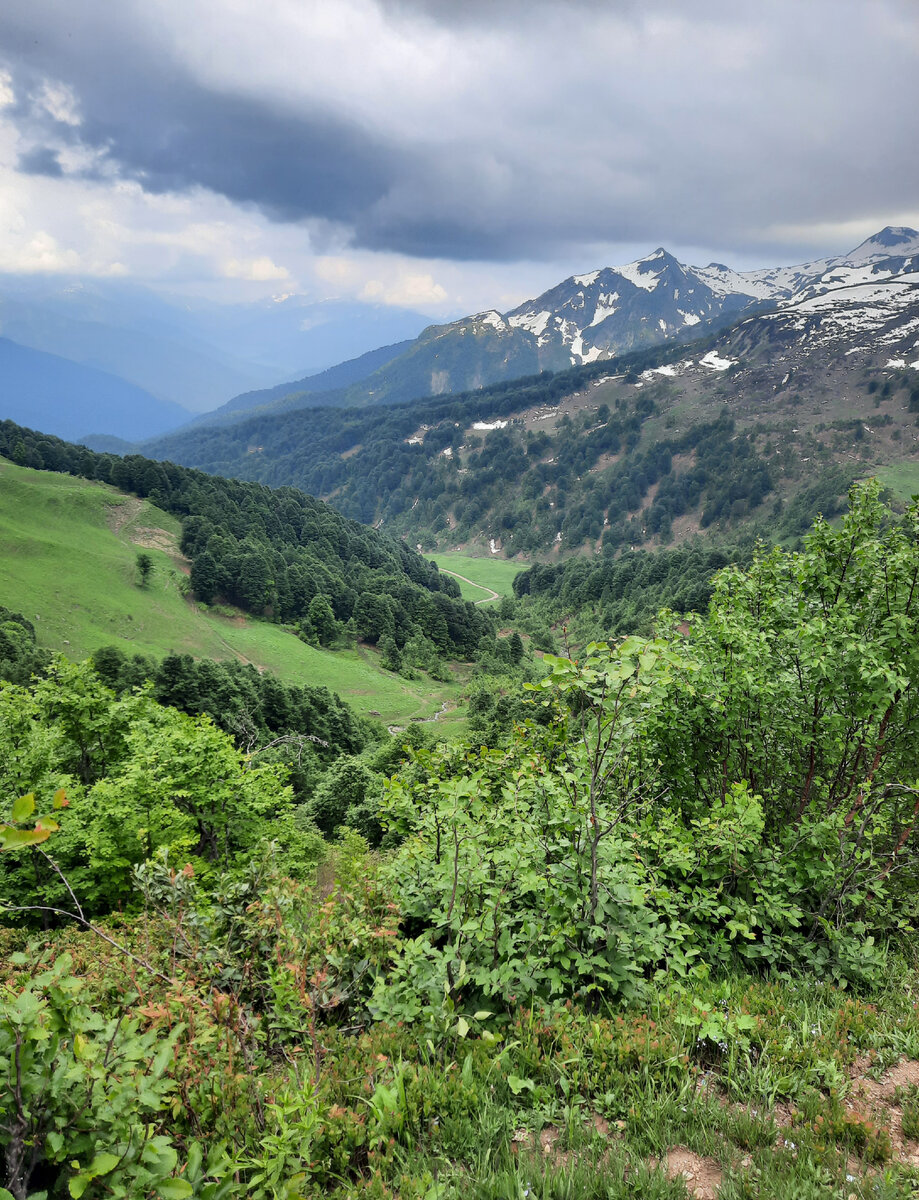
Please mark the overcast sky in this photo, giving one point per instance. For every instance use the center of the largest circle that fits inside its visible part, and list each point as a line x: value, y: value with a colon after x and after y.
x: 447, y: 155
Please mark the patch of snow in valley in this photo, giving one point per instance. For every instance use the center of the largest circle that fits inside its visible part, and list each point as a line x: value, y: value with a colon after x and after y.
x: 492, y: 546
x: 486, y: 427
x: 715, y: 361
x: 688, y: 317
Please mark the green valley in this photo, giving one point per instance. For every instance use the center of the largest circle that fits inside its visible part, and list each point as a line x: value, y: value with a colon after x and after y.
x: 68, y: 550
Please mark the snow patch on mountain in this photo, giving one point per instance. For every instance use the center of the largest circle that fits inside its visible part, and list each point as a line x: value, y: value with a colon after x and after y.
x: 535, y: 323
x: 492, y: 318
x: 605, y: 307
x: 714, y: 360
x: 633, y: 272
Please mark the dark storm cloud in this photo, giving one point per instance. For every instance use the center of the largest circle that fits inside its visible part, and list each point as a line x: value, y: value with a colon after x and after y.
x: 572, y: 125
x: 157, y: 124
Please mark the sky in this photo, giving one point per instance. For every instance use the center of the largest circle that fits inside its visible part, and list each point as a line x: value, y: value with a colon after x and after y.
x: 446, y: 155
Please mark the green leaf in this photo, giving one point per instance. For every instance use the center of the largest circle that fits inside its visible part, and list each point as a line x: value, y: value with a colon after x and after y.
x: 517, y: 1085
x: 174, y: 1189
x: 462, y: 1027
x: 23, y: 808
x: 103, y: 1163
x: 16, y: 839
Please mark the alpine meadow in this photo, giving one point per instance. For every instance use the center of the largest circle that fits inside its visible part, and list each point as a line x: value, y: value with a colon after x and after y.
x: 459, y: 656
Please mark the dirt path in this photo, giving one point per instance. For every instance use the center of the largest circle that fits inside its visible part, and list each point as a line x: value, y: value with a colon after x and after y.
x: 488, y: 599
x: 445, y: 707
x: 121, y: 512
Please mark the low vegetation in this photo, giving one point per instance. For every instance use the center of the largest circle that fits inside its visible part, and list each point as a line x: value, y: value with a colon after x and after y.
x: 652, y: 936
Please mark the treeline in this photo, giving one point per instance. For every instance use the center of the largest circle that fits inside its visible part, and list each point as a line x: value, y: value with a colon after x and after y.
x: 628, y: 591
x: 251, y: 706
x: 274, y: 552
x: 364, y: 462
x: 526, y: 487
x: 308, y: 728
x: 615, y: 595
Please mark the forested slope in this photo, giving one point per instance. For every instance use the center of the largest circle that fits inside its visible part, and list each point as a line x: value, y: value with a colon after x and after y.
x: 281, y: 554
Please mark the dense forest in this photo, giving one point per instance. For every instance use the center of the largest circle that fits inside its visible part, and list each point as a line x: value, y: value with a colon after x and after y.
x: 605, y: 476
x: 417, y: 468
x: 669, y: 902
x: 283, y: 554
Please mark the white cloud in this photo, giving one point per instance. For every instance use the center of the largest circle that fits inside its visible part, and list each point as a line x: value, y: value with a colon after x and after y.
x: 59, y: 101
x: 408, y: 291
x: 256, y: 270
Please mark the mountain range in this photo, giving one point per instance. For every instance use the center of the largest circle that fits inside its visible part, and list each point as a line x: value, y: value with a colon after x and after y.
x: 767, y: 420
x: 186, y: 354
x: 591, y: 317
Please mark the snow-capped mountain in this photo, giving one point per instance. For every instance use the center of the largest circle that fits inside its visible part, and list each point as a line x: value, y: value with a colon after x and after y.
x: 588, y: 317
x: 594, y: 316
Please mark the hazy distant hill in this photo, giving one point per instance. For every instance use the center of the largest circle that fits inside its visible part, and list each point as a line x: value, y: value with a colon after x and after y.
x: 189, y: 350
x: 51, y: 393
x: 330, y: 381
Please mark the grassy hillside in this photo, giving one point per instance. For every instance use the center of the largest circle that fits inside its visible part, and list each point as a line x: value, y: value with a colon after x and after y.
x: 902, y: 479
x: 484, y: 575
x: 68, y: 550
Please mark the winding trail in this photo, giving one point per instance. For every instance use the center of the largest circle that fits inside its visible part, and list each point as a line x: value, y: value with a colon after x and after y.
x: 481, y: 586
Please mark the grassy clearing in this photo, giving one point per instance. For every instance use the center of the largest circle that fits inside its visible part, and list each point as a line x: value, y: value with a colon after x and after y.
x: 901, y: 478
x: 68, y: 549
x: 496, y: 574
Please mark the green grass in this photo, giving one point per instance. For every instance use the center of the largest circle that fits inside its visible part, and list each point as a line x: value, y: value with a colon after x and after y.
x: 493, y: 573
x: 902, y: 479
x: 68, y: 549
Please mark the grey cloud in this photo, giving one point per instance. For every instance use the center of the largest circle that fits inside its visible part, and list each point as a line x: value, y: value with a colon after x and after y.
x: 41, y: 160
x: 817, y: 127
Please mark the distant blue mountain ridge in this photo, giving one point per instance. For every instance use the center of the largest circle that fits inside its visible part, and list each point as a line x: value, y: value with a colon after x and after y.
x: 52, y: 394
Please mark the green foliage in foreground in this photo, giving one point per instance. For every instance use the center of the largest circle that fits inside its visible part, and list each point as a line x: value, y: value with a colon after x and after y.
x: 741, y: 790
x: 627, y: 929
x: 236, y: 1063
x: 141, y: 779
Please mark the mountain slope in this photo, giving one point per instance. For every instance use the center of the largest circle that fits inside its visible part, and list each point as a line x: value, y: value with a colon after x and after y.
x: 333, y: 379
x: 767, y: 421
x: 595, y: 316
x: 73, y: 401
x: 55, y: 527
